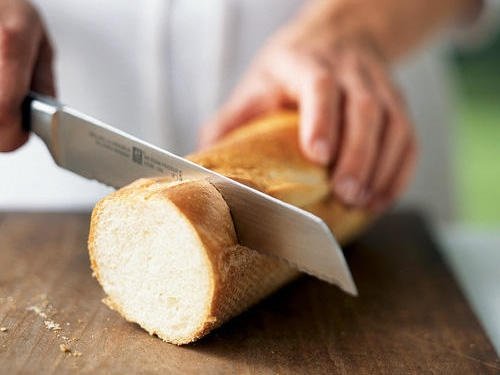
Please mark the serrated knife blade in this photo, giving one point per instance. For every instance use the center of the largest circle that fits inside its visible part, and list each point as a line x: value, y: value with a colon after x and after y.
x: 98, y: 151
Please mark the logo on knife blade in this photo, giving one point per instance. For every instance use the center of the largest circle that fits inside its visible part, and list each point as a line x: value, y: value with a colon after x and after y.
x: 137, y: 155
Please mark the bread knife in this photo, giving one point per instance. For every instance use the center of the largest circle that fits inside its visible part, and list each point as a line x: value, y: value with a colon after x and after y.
x: 97, y: 151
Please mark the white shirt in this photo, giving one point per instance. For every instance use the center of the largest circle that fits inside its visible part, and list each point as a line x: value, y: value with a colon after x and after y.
x: 158, y: 69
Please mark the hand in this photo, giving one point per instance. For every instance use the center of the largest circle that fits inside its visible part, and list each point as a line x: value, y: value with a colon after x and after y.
x: 25, y: 64
x: 353, y: 119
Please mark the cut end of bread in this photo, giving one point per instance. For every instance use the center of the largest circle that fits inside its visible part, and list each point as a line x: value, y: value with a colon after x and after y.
x: 151, y: 261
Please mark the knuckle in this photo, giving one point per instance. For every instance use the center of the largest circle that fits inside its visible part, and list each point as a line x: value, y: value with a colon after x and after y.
x: 26, y: 16
x: 354, y: 162
x: 22, y: 21
x: 352, y: 61
x: 322, y: 77
x: 9, y: 37
x: 367, y: 102
x: 399, y: 129
x: 354, y: 66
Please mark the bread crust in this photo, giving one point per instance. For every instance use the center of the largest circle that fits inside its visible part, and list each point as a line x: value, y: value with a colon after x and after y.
x: 265, y: 155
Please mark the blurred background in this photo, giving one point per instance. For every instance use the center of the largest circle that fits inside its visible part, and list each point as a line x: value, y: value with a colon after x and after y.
x: 476, y: 149
x: 471, y: 245
x: 451, y: 90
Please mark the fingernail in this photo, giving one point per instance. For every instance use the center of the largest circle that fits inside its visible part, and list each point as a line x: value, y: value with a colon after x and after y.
x: 349, y: 189
x: 321, y: 151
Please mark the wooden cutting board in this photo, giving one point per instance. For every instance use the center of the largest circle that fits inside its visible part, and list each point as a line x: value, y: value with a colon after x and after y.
x: 410, y: 316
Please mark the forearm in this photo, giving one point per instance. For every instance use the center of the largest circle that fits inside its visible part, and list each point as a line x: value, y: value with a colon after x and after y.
x: 394, y: 26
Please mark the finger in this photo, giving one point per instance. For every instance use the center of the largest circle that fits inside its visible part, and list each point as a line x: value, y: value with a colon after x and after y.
x: 386, y: 88
x: 319, y: 114
x: 360, y: 139
x: 397, y: 132
x: 400, y: 179
x: 11, y: 136
x: 43, y: 76
x: 239, y: 110
x: 19, y: 40
x: 395, y: 137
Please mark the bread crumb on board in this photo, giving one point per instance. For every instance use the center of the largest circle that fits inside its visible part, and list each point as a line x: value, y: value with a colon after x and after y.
x: 66, y: 349
x: 51, y: 325
x: 38, y: 311
x: 3, y: 329
x: 45, y: 310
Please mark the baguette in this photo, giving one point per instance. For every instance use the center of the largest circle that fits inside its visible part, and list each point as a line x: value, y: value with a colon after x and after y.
x: 167, y: 254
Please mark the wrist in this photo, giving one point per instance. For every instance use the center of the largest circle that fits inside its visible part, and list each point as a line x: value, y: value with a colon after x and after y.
x: 330, y: 24
x: 392, y: 27
x: 326, y: 26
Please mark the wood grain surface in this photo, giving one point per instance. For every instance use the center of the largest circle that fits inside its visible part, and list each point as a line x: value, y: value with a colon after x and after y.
x: 410, y: 316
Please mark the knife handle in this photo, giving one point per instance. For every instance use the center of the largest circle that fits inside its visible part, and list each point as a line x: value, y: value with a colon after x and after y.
x: 39, y: 115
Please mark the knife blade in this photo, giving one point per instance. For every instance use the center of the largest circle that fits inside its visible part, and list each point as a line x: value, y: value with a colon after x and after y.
x: 97, y: 151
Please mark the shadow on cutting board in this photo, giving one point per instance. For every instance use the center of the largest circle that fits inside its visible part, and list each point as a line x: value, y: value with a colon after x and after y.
x: 409, y: 316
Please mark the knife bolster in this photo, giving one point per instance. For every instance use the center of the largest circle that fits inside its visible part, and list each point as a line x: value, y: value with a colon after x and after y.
x: 40, y: 115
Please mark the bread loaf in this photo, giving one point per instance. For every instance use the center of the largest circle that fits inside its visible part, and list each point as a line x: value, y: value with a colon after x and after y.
x: 166, y: 253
